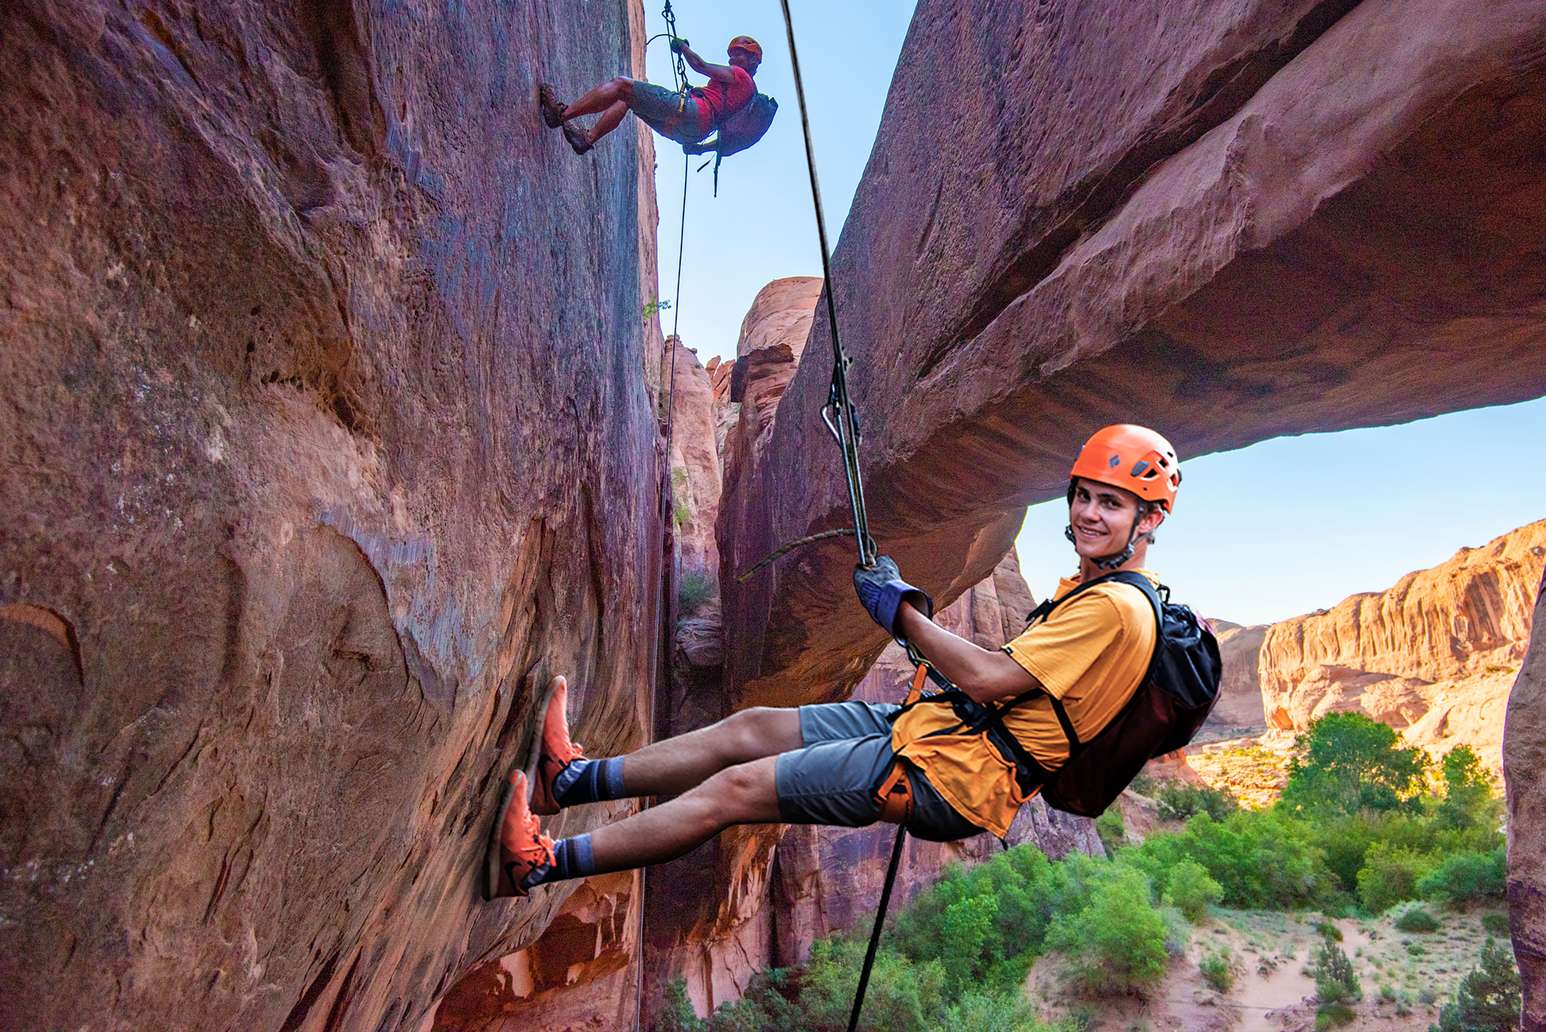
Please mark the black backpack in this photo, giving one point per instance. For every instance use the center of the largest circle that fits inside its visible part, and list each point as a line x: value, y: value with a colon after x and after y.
x: 739, y: 130
x: 1169, y: 705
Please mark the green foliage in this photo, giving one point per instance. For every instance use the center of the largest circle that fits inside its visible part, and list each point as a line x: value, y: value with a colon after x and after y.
x: 903, y: 995
x: 1469, y: 801
x: 1351, y: 763
x: 677, y: 1015
x: 1112, y: 832
x: 1416, y: 918
x: 692, y: 591
x: 1465, y: 877
x: 1336, y: 986
x: 979, y: 1011
x: 1328, y: 931
x: 654, y: 307
x: 1115, y: 942
x: 1390, y: 875
x: 968, y: 926
x: 765, y: 1006
x: 1179, y: 802
x: 1495, y: 924
x: 1218, y: 969
x: 1259, y: 859
x: 1488, y: 999
x: 1190, y: 889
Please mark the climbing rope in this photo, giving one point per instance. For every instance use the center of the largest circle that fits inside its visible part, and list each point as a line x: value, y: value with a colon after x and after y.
x: 842, y: 422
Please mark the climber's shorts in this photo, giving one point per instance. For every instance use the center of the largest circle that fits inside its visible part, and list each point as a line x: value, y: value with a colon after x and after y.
x: 665, y: 112
x: 847, y: 754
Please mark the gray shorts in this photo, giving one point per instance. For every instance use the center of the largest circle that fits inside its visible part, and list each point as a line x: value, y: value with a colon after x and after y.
x: 671, y: 114
x: 847, y: 754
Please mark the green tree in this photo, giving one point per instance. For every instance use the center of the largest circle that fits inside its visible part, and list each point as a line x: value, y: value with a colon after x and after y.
x: 1469, y: 801
x: 1488, y: 999
x: 1190, y: 889
x: 677, y: 1015
x: 1336, y: 985
x: 1351, y: 763
x: 1116, y: 942
x: 1389, y: 875
x: 1463, y: 877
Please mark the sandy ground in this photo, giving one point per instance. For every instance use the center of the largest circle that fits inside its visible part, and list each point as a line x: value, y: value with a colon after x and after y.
x: 1405, y: 976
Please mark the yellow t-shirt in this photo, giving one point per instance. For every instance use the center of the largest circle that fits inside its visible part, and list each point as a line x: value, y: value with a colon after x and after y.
x: 1091, y: 653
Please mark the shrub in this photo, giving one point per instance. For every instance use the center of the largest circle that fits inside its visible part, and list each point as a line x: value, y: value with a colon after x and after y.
x: 1180, y: 802
x: 1351, y: 763
x: 1336, y: 986
x: 1190, y: 889
x: 1111, y: 829
x: 1218, y: 970
x: 1328, y: 931
x: 677, y: 1015
x: 692, y: 591
x: 765, y: 1006
x: 1116, y: 942
x: 1416, y: 919
x: 1463, y: 877
x: 1495, y: 924
x: 1390, y: 875
x: 1488, y: 998
x: 978, y: 1011
x: 1260, y: 859
x: 903, y: 996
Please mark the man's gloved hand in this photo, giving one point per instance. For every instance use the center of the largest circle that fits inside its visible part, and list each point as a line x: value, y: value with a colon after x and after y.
x: 882, y: 590
x: 678, y: 44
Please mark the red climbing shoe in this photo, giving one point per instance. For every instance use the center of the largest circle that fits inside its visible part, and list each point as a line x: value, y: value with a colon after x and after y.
x: 552, y: 107
x: 518, y: 845
x: 557, y: 750
x: 577, y: 138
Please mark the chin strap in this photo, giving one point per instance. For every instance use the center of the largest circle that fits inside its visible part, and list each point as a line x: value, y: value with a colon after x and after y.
x: 1115, y: 559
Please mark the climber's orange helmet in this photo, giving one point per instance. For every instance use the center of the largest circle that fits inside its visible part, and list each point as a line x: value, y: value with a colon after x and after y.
x: 747, y: 44
x: 1133, y: 458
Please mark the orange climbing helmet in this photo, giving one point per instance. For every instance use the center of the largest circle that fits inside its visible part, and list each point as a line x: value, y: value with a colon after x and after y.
x: 1133, y: 458
x: 747, y: 44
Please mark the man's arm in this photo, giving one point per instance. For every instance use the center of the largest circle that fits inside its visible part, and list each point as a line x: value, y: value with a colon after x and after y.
x: 719, y: 73
x: 982, y: 674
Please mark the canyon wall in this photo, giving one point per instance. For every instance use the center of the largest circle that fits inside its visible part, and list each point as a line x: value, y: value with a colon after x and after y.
x: 1434, y: 655
x: 1524, y: 764
x: 324, y: 439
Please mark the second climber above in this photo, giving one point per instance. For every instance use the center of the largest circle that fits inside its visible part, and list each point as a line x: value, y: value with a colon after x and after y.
x: 686, y: 116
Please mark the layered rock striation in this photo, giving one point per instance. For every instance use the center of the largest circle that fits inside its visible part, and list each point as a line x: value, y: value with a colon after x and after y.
x: 314, y: 463
x: 1433, y: 655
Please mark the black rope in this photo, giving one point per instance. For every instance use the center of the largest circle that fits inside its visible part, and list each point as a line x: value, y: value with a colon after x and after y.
x: 838, y: 414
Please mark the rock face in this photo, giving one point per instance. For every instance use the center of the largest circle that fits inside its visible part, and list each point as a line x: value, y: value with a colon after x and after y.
x: 308, y: 455
x: 1239, y: 709
x: 1230, y: 218
x: 1524, y: 763
x: 1434, y: 655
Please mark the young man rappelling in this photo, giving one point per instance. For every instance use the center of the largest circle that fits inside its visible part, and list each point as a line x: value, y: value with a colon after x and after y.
x: 948, y: 767
x: 687, y: 117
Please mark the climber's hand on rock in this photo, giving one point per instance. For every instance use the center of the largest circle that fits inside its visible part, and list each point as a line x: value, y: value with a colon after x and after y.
x: 882, y: 591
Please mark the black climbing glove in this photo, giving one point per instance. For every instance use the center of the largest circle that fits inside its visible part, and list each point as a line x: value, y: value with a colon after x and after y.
x: 678, y: 44
x: 882, y: 590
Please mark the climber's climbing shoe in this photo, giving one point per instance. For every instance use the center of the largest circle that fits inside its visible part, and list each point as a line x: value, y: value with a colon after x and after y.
x: 517, y: 846
x: 556, y: 751
x: 576, y: 137
x: 552, y: 107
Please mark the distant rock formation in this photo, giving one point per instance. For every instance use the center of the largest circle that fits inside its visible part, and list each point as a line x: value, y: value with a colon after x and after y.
x: 1239, y: 709
x: 1434, y: 655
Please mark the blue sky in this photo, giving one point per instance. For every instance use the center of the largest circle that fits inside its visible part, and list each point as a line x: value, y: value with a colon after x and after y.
x: 1283, y: 527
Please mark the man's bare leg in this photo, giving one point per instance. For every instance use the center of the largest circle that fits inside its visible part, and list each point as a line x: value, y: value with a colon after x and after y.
x: 676, y: 765
x: 742, y: 794
x: 611, y: 92
x: 609, y: 120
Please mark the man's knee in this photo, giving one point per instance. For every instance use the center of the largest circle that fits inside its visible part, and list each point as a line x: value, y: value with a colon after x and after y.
x: 750, y: 732
x: 623, y: 87
x: 745, y: 791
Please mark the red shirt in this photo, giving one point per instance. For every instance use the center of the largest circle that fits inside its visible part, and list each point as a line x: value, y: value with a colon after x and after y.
x: 717, y: 100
